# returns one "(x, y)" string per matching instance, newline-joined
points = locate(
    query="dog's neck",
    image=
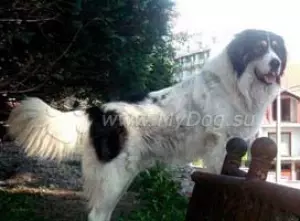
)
(247, 90)
(220, 66)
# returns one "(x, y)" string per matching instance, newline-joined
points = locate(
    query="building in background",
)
(290, 125)
(290, 135)
(190, 63)
(192, 54)
(291, 78)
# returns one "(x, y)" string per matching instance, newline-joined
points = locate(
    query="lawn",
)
(40, 205)
(36, 190)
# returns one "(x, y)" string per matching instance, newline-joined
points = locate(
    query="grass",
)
(159, 196)
(34, 205)
(158, 199)
(198, 163)
(15, 207)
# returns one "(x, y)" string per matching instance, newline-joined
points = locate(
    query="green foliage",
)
(39, 206)
(17, 201)
(99, 49)
(159, 197)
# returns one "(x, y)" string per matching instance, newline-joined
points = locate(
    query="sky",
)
(223, 18)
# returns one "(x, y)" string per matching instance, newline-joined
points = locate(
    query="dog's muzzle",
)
(270, 78)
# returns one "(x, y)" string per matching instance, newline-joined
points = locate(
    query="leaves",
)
(159, 196)
(26, 37)
(108, 49)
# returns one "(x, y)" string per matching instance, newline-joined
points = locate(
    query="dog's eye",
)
(264, 44)
(274, 44)
(261, 47)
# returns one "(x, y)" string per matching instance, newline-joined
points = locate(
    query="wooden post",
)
(236, 148)
(263, 152)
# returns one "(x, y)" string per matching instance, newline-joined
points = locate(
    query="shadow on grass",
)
(36, 204)
(41, 205)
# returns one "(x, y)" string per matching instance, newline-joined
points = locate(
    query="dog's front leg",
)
(215, 163)
(215, 152)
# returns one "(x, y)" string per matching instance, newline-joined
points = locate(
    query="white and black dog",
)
(192, 119)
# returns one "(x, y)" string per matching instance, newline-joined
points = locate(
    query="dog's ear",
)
(283, 65)
(283, 54)
(236, 53)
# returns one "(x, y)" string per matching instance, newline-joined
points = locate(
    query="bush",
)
(159, 196)
(103, 49)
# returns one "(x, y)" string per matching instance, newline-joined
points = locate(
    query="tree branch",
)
(28, 76)
(19, 21)
(72, 41)
(64, 53)
(23, 70)
(26, 90)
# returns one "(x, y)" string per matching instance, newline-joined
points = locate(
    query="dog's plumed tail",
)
(46, 132)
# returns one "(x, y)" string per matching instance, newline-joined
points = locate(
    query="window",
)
(207, 54)
(285, 142)
(288, 110)
(284, 166)
(181, 61)
(201, 56)
(188, 59)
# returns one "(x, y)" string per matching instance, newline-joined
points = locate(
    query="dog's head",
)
(260, 53)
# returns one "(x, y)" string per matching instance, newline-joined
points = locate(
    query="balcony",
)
(289, 110)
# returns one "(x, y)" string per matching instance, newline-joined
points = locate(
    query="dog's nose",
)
(274, 64)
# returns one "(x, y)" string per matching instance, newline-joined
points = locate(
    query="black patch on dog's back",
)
(107, 133)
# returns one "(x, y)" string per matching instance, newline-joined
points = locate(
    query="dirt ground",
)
(55, 188)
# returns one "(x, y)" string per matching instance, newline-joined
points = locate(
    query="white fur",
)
(44, 131)
(216, 93)
(263, 64)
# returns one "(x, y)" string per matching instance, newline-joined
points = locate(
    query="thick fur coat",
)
(192, 119)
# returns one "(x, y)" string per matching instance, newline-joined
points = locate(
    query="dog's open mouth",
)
(269, 78)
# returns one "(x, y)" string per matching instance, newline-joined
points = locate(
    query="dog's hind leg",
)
(105, 184)
(103, 209)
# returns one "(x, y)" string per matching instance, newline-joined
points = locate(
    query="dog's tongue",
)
(270, 78)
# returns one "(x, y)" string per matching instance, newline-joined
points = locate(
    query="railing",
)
(239, 196)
